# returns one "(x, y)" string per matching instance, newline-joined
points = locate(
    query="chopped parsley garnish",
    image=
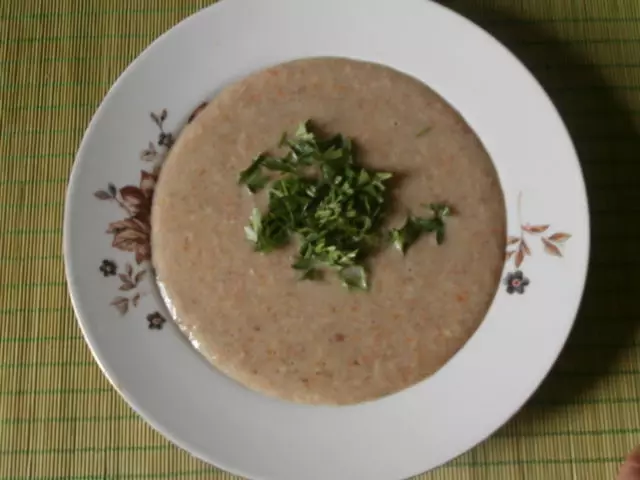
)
(402, 238)
(423, 132)
(330, 204)
(253, 177)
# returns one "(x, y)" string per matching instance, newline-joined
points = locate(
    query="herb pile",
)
(333, 206)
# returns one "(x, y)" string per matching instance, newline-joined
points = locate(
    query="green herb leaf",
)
(332, 206)
(428, 225)
(257, 182)
(283, 139)
(423, 132)
(308, 268)
(354, 277)
(253, 177)
(414, 227)
(402, 238)
(440, 235)
(273, 234)
(252, 230)
(440, 210)
(279, 164)
(303, 134)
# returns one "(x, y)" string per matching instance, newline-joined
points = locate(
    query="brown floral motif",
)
(518, 248)
(132, 232)
(131, 235)
(131, 279)
(129, 282)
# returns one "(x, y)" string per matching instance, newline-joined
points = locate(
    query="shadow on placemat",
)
(606, 145)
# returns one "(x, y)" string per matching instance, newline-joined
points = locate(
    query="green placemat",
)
(59, 418)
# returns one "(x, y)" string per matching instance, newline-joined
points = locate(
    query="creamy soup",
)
(317, 342)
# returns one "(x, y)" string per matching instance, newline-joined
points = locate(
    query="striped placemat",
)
(60, 419)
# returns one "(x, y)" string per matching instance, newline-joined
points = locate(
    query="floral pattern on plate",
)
(518, 249)
(132, 233)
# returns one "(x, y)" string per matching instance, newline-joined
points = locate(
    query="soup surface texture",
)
(317, 342)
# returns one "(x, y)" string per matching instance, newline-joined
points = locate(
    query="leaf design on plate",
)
(132, 235)
(525, 248)
(550, 248)
(197, 111)
(121, 225)
(513, 240)
(155, 118)
(131, 238)
(509, 254)
(126, 286)
(143, 253)
(134, 199)
(149, 154)
(560, 237)
(535, 228)
(102, 195)
(121, 304)
(519, 258)
(139, 276)
(147, 182)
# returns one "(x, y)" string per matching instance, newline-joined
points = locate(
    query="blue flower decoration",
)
(516, 282)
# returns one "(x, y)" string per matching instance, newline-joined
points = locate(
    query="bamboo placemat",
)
(60, 419)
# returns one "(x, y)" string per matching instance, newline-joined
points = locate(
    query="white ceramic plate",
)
(176, 391)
